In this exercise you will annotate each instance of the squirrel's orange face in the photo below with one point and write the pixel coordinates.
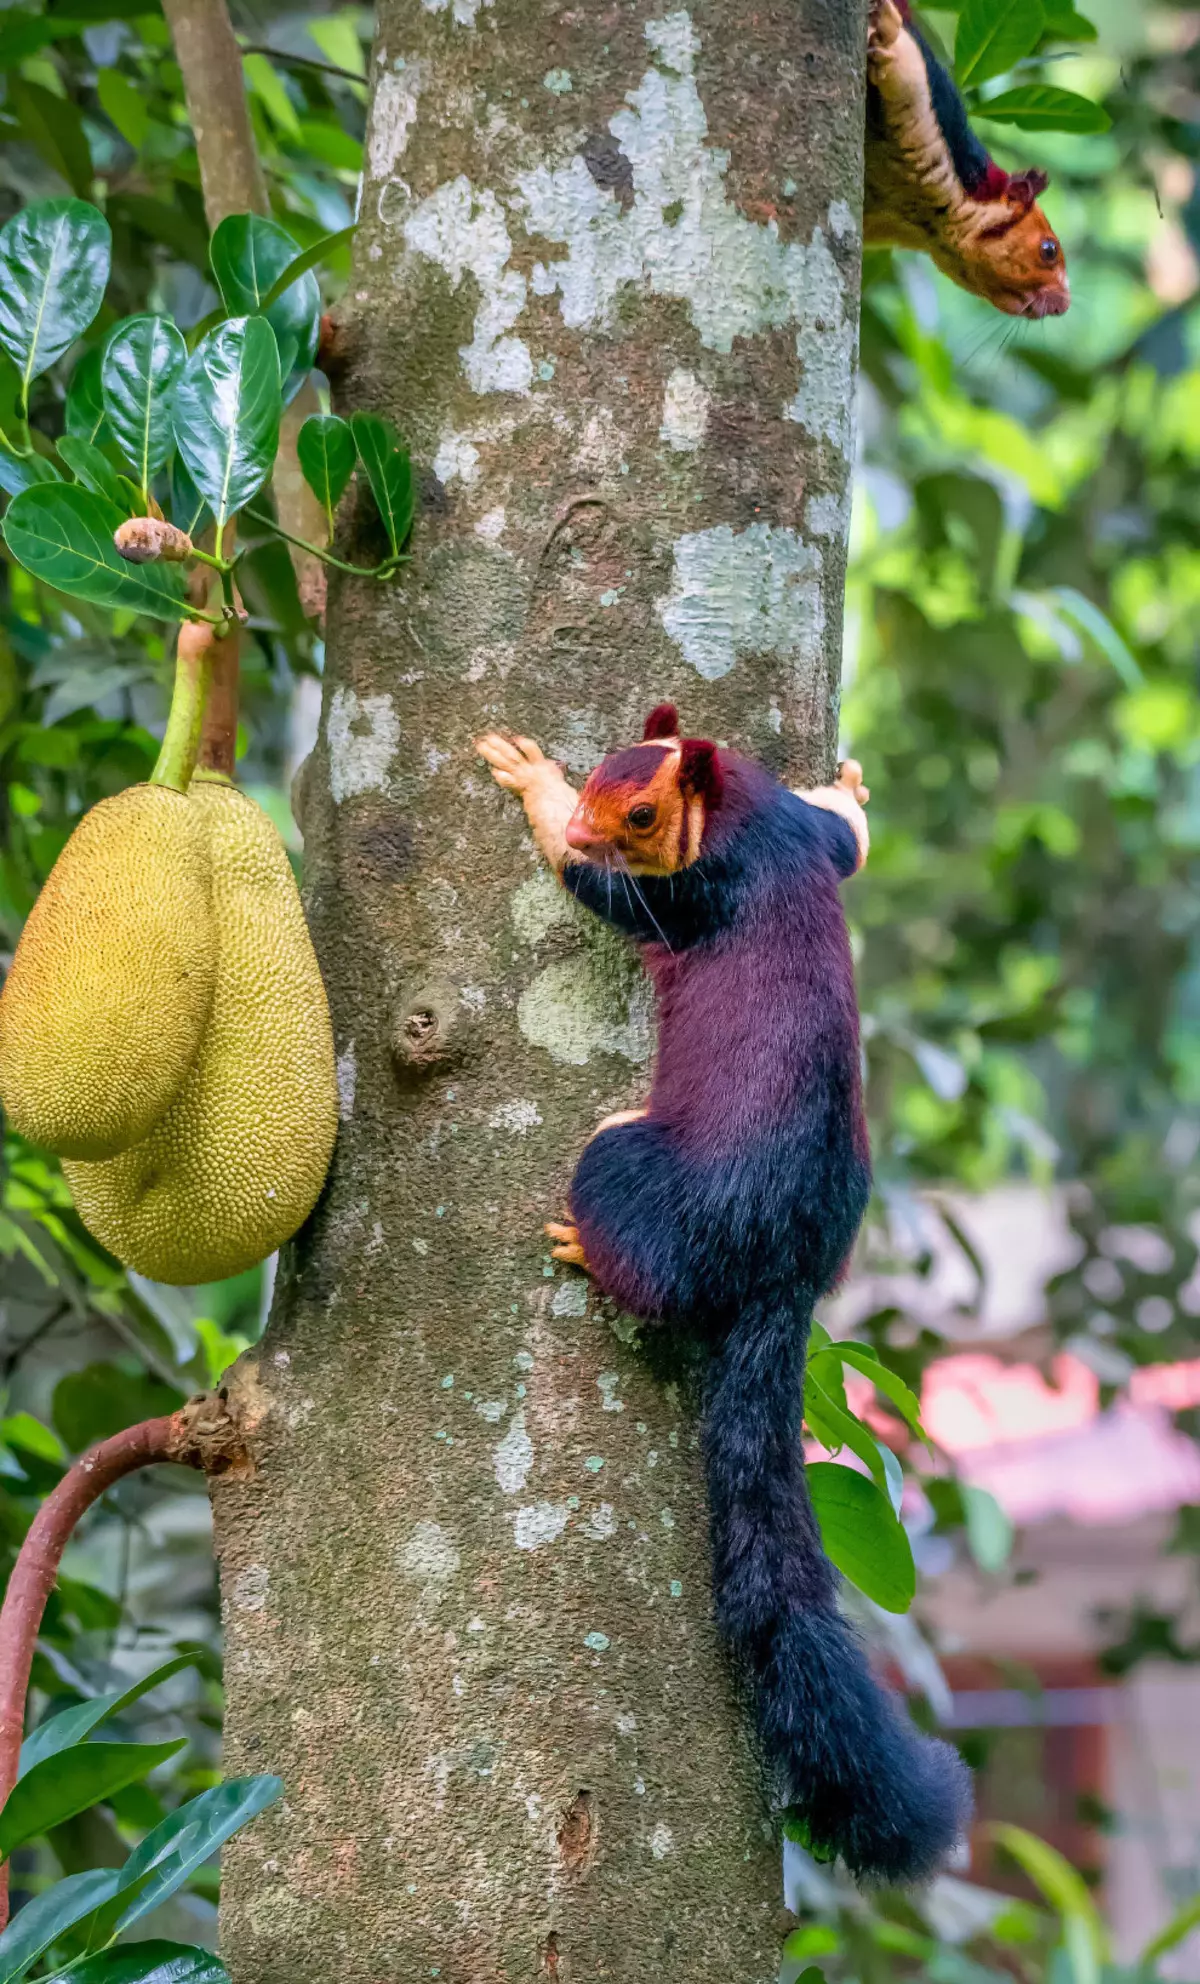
(1021, 268)
(644, 808)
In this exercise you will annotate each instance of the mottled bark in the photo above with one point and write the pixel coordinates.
(607, 282)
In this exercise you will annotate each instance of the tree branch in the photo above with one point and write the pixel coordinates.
(202, 1434)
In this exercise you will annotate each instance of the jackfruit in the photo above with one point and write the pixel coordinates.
(237, 1163)
(103, 1009)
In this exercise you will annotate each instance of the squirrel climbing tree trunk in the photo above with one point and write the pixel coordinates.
(606, 282)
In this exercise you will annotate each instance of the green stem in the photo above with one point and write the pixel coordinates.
(181, 742)
(327, 558)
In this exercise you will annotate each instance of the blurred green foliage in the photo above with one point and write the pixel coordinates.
(1022, 689)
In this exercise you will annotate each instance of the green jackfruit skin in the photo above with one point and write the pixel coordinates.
(237, 1163)
(103, 1010)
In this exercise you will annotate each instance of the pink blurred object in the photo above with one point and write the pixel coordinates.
(1048, 1450)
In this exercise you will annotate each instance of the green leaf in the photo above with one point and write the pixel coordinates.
(989, 1529)
(993, 34)
(1084, 1934)
(60, 1786)
(148, 1963)
(862, 1535)
(143, 360)
(54, 263)
(188, 507)
(186, 1838)
(85, 401)
(1100, 630)
(100, 1399)
(249, 255)
(862, 1359)
(49, 1915)
(1064, 24)
(1179, 1927)
(55, 129)
(309, 258)
(1037, 107)
(124, 105)
(63, 534)
(18, 472)
(91, 466)
(389, 472)
(60, 1732)
(327, 454)
(836, 1427)
(227, 408)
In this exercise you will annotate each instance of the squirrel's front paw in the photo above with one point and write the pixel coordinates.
(515, 761)
(885, 24)
(850, 778)
(567, 1245)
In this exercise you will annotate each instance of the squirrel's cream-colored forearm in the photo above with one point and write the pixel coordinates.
(840, 798)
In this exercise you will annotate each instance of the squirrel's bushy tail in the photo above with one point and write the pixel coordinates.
(870, 1786)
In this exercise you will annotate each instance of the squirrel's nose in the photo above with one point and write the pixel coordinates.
(578, 836)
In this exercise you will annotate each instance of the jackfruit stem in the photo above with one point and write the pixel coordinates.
(218, 737)
(193, 672)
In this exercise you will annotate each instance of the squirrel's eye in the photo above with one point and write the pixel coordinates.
(640, 818)
(1049, 250)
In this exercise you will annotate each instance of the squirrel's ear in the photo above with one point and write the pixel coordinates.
(700, 770)
(663, 721)
(1026, 187)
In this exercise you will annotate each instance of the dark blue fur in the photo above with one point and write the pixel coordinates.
(731, 1209)
(968, 155)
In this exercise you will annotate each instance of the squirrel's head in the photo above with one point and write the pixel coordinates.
(1019, 264)
(645, 808)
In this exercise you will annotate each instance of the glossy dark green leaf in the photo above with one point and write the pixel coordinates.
(327, 454)
(893, 1387)
(85, 400)
(1037, 107)
(71, 1725)
(49, 1915)
(55, 129)
(993, 34)
(54, 262)
(862, 1535)
(188, 1837)
(19, 472)
(836, 1427)
(188, 507)
(227, 408)
(149, 1963)
(91, 466)
(389, 472)
(249, 257)
(309, 258)
(60, 1786)
(63, 534)
(143, 361)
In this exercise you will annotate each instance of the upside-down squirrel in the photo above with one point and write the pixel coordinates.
(730, 1203)
(931, 185)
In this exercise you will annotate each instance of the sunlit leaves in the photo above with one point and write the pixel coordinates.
(1038, 107)
(993, 34)
(227, 409)
(54, 266)
(149, 1963)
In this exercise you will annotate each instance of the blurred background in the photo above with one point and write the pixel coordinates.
(1021, 684)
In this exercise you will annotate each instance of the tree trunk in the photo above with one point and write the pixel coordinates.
(607, 283)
